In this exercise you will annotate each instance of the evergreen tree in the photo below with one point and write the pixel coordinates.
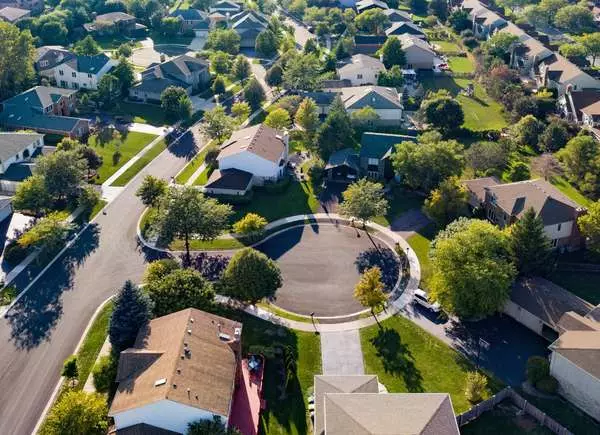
(336, 131)
(529, 246)
(254, 94)
(132, 308)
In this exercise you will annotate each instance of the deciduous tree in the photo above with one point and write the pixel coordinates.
(77, 412)
(63, 173)
(254, 94)
(363, 200)
(241, 68)
(70, 369)
(17, 53)
(307, 117)
(217, 124)
(227, 40)
(278, 119)
(392, 53)
(371, 20)
(335, 132)
(589, 224)
(87, 47)
(369, 291)
(266, 43)
(31, 196)
(447, 202)
(443, 113)
(302, 72)
(250, 224)
(176, 103)
(151, 190)
(181, 289)
(48, 234)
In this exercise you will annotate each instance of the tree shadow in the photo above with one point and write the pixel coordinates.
(36, 314)
(385, 259)
(397, 358)
(184, 147)
(278, 245)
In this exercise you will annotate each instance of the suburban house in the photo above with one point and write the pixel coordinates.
(34, 6)
(226, 7)
(361, 70)
(368, 44)
(13, 15)
(353, 404)
(114, 23)
(248, 24)
(251, 157)
(189, 73)
(504, 204)
(419, 54)
(18, 147)
(182, 368)
(485, 21)
(527, 52)
(45, 110)
(580, 107)
(575, 361)
(80, 72)
(192, 20)
(365, 5)
(397, 16)
(385, 101)
(405, 28)
(556, 72)
(343, 166)
(50, 56)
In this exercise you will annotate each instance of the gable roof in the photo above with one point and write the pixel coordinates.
(389, 414)
(114, 17)
(377, 97)
(409, 40)
(395, 15)
(404, 27)
(12, 14)
(560, 70)
(260, 140)
(249, 17)
(368, 4)
(361, 61)
(370, 39)
(572, 321)
(584, 101)
(189, 14)
(230, 179)
(344, 157)
(379, 145)
(174, 72)
(13, 143)
(39, 97)
(158, 367)
(582, 348)
(477, 186)
(225, 5)
(90, 64)
(53, 54)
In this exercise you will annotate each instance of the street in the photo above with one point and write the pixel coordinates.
(45, 325)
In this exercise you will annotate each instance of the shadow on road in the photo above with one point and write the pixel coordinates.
(184, 147)
(385, 259)
(276, 246)
(35, 315)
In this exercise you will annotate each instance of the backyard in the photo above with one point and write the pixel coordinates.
(504, 420)
(460, 64)
(400, 202)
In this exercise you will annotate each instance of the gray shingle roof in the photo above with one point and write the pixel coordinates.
(13, 143)
(11, 14)
(377, 145)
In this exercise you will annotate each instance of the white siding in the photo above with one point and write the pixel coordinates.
(18, 158)
(552, 231)
(83, 80)
(387, 116)
(417, 58)
(359, 76)
(524, 317)
(246, 161)
(165, 414)
(581, 388)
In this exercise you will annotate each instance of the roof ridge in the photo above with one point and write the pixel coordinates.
(345, 412)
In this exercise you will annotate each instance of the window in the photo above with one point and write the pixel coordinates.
(359, 76)
(558, 227)
(75, 85)
(73, 74)
(89, 76)
(554, 242)
(61, 72)
(373, 162)
(43, 63)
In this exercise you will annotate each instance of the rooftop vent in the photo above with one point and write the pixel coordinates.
(192, 320)
(160, 382)
(188, 352)
(189, 332)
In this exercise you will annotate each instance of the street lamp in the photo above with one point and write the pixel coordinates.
(312, 319)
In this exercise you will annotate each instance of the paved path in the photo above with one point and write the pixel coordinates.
(341, 353)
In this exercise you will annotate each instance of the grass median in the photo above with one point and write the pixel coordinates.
(140, 164)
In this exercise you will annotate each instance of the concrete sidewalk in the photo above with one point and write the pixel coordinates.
(341, 353)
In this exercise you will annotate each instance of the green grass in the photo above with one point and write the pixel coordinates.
(203, 177)
(446, 46)
(569, 190)
(401, 202)
(95, 210)
(408, 359)
(283, 313)
(192, 166)
(481, 112)
(112, 42)
(460, 64)
(141, 163)
(505, 422)
(420, 243)
(160, 38)
(132, 144)
(137, 112)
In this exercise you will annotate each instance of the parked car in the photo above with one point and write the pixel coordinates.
(421, 298)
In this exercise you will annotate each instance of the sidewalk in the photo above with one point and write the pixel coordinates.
(104, 351)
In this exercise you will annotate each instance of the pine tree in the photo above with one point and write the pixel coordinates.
(132, 309)
(529, 246)
(336, 131)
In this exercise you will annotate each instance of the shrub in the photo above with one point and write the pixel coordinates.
(211, 267)
(537, 369)
(7, 295)
(70, 369)
(547, 385)
(105, 373)
(476, 386)
(467, 33)
(14, 253)
(211, 155)
(470, 42)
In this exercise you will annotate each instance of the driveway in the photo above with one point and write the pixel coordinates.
(146, 56)
(301, 33)
(341, 353)
(408, 223)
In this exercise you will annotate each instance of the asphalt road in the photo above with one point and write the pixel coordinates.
(45, 325)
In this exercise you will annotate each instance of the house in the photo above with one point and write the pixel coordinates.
(226, 7)
(540, 305)
(364, 5)
(183, 367)
(419, 54)
(361, 70)
(385, 101)
(81, 72)
(368, 44)
(527, 52)
(187, 72)
(251, 157)
(556, 72)
(397, 16)
(33, 6)
(504, 204)
(352, 404)
(114, 23)
(249, 24)
(573, 103)
(323, 99)
(192, 20)
(45, 110)
(17, 148)
(485, 21)
(13, 15)
(343, 166)
(405, 28)
(50, 56)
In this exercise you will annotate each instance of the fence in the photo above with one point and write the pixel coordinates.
(519, 401)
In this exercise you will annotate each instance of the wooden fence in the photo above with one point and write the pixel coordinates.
(519, 401)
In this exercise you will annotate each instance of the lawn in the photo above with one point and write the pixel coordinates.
(192, 166)
(141, 163)
(446, 46)
(142, 113)
(400, 202)
(481, 112)
(129, 145)
(407, 359)
(571, 191)
(460, 64)
(420, 243)
(203, 177)
(505, 422)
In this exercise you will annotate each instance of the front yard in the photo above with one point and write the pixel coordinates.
(420, 243)
(141, 163)
(460, 64)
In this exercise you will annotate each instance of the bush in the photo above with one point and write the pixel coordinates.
(211, 267)
(211, 155)
(105, 373)
(467, 33)
(476, 386)
(537, 369)
(14, 253)
(470, 42)
(7, 295)
(547, 385)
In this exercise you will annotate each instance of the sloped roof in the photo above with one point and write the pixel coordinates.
(404, 27)
(53, 54)
(366, 4)
(173, 72)
(89, 64)
(395, 15)
(584, 100)
(478, 186)
(39, 97)
(249, 16)
(370, 39)
(560, 70)
(377, 97)
(190, 14)
(360, 62)
(226, 4)
(13, 143)
(12, 14)
(378, 145)
(572, 321)
(344, 157)
(158, 367)
(582, 348)
(114, 17)
(230, 179)
(260, 139)
(409, 40)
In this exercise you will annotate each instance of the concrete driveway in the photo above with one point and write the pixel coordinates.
(341, 353)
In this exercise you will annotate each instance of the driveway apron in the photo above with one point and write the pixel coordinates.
(341, 353)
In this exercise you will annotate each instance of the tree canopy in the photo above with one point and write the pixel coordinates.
(363, 200)
(589, 224)
(369, 290)
(447, 202)
(227, 40)
(392, 53)
(17, 54)
(529, 245)
(77, 412)
(132, 309)
(176, 103)
(151, 190)
(335, 132)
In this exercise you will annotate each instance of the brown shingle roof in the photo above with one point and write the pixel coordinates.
(261, 140)
(477, 186)
(159, 368)
(582, 348)
(572, 321)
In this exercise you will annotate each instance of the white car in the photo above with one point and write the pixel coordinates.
(421, 298)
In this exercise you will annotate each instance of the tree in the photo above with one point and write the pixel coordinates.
(251, 276)
(472, 271)
(392, 78)
(77, 412)
(151, 190)
(307, 117)
(211, 427)
(392, 53)
(241, 68)
(63, 173)
(499, 44)
(459, 20)
(363, 200)
(546, 165)
(17, 53)
(518, 171)
(591, 42)
(486, 157)
(574, 19)
(278, 119)
(576, 53)
(267, 43)
(335, 132)
(241, 111)
(364, 118)
(418, 6)
(589, 225)
(447, 202)
(424, 165)
(527, 131)
(109, 89)
(227, 40)
(89, 196)
(124, 50)
(218, 86)
(92, 159)
(579, 157)
(311, 46)
(181, 289)
(31, 196)
(48, 234)
(87, 47)
(371, 21)
(132, 309)
(170, 26)
(220, 62)
(529, 245)
(254, 94)
(104, 373)
(217, 124)
(369, 290)
(302, 72)
(176, 103)
(70, 369)
(158, 269)
(274, 76)
(476, 386)
(185, 212)
(439, 8)
(250, 224)
(444, 113)
(125, 74)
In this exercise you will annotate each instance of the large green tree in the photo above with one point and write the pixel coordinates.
(77, 412)
(87, 47)
(575, 19)
(589, 224)
(363, 200)
(241, 68)
(580, 160)
(17, 54)
(369, 290)
(392, 53)
(48, 234)
(211, 427)
(63, 173)
(267, 43)
(529, 245)
(31, 196)
(335, 132)
(371, 21)
(302, 72)
(132, 309)
(227, 40)
(125, 74)
(254, 94)
(444, 113)
(217, 124)
(278, 119)
(151, 190)
(307, 117)
(251, 276)
(447, 202)
(176, 103)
